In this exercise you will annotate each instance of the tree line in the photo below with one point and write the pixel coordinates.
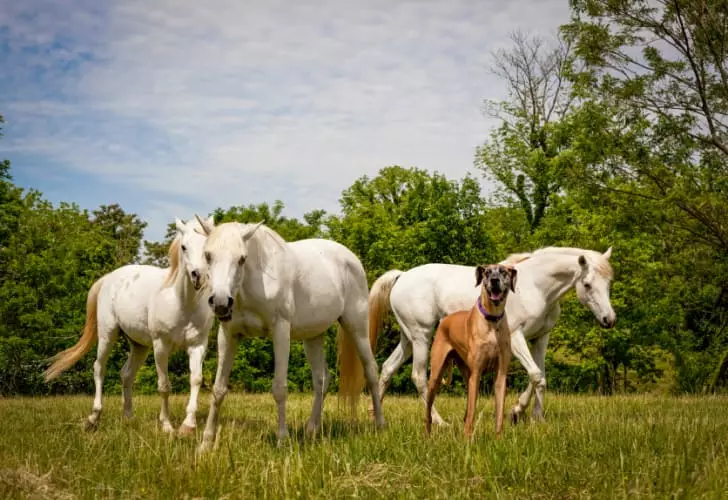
(612, 134)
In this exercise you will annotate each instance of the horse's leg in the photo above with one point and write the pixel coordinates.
(519, 348)
(107, 336)
(281, 353)
(137, 354)
(314, 349)
(196, 354)
(161, 360)
(420, 356)
(227, 344)
(539, 356)
(401, 353)
(355, 322)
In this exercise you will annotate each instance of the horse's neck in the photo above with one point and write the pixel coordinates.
(183, 288)
(554, 277)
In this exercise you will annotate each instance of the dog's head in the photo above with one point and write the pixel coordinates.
(497, 280)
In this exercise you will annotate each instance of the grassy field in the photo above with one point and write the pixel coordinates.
(589, 447)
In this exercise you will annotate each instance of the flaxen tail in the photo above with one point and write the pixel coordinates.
(379, 303)
(65, 359)
(351, 369)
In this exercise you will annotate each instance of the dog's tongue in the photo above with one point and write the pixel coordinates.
(496, 295)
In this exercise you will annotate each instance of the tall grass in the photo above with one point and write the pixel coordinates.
(619, 447)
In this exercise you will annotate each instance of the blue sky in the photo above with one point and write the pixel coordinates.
(171, 107)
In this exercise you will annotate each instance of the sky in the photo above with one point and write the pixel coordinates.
(176, 107)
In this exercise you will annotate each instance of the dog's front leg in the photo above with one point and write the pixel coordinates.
(504, 360)
(473, 384)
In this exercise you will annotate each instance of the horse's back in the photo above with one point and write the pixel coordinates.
(327, 257)
(125, 296)
(426, 293)
(328, 278)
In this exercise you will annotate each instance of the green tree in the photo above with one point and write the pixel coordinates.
(124, 231)
(525, 153)
(653, 128)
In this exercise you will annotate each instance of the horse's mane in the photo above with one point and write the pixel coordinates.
(601, 263)
(173, 255)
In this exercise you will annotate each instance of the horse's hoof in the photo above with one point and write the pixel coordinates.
(185, 430)
(167, 428)
(204, 448)
(382, 424)
(515, 416)
(312, 428)
(91, 426)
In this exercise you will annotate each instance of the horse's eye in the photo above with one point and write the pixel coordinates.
(208, 257)
(184, 248)
(241, 260)
(587, 286)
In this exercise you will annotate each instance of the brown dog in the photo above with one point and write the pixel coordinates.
(476, 340)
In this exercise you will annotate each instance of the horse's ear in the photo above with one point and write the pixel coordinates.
(211, 220)
(514, 275)
(179, 224)
(205, 224)
(608, 253)
(251, 231)
(479, 273)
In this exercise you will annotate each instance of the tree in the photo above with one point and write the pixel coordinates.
(525, 154)
(406, 217)
(124, 230)
(653, 128)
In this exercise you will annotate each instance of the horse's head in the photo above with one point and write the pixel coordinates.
(592, 286)
(191, 242)
(225, 254)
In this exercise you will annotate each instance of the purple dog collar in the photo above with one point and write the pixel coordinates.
(487, 316)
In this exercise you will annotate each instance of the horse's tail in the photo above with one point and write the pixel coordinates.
(351, 369)
(379, 303)
(65, 359)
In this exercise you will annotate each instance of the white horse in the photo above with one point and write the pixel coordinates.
(262, 285)
(154, 307)
(420, 297)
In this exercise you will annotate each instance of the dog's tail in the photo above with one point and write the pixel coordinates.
(379, 303)
(65, 359)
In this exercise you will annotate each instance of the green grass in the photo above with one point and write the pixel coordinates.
(641, 446)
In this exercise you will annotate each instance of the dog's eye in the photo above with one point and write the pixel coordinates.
(208, 257)
(241, 261)
(184, 248)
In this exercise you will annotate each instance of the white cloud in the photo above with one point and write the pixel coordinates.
(205, 104)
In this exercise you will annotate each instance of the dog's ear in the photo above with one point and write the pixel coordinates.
(479, 273)
(514, 274)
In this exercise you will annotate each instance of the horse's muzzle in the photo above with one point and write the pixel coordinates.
(222, 308)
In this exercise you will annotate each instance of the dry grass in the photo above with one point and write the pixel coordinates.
(590, 447)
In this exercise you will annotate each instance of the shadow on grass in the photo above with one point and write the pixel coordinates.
(331, 430)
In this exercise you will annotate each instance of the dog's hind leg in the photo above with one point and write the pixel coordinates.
(441, 352)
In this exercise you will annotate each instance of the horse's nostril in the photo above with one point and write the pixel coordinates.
(605, 320)
(230, 302)
(209, 300)
(195, 274)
